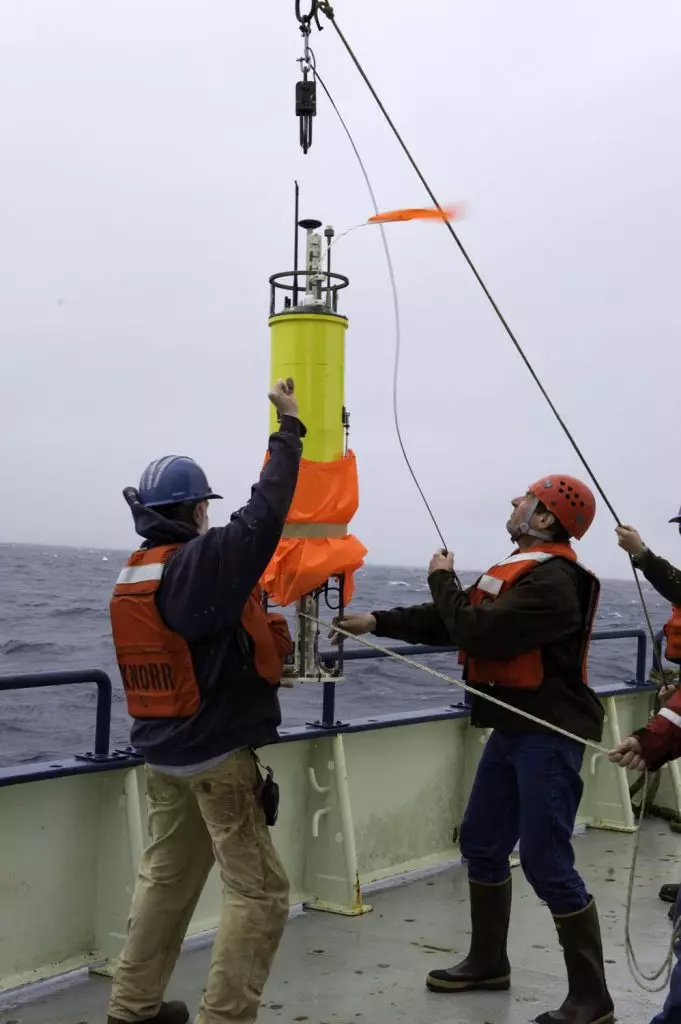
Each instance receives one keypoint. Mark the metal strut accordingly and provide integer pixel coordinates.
(306, 89)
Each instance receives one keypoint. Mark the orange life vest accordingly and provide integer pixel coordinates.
(526, 671)
(155, 663)
(672, 631)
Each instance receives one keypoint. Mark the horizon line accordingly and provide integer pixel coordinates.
(368, 562)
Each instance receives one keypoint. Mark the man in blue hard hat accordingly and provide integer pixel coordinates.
(201, 662)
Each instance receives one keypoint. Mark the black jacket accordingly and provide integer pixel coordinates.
(204, 589)
(545, 609)
(661, 574)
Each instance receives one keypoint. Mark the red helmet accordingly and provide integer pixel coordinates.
(570, 500)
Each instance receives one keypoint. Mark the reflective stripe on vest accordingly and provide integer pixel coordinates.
(141, 573)
(671, 716)
(490, 584)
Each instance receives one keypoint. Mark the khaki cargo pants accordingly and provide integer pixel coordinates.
(193, 822)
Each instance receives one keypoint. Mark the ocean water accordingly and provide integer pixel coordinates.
(54, 617)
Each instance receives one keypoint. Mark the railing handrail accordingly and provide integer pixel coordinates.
(34, 681)
(419, 650)
(416, 649)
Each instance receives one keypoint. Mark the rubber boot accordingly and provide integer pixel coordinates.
(169, 1013)
(668, 893)
(486, 966)
(588, 1000)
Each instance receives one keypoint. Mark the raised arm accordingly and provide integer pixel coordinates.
(660, 573)
(209, 580)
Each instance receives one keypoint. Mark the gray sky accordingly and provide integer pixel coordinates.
(148, 153)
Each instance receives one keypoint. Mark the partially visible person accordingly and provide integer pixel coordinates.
(201, 663)
(666, 579)
(649, 748)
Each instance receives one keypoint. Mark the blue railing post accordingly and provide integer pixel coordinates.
(657, 664)
(329, 704)
(103, 716)
(641, 660)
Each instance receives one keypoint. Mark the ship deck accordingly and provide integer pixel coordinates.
(332, 969)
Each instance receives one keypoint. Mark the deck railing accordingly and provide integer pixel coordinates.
(101, 757)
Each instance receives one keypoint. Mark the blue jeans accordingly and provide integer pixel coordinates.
(671, 1011)
(527, 788)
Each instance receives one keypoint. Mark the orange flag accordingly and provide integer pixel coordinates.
(416, 213)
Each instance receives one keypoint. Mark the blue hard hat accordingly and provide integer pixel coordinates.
(676, 519)
(173, 479)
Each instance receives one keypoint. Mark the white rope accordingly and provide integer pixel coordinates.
(642, 979)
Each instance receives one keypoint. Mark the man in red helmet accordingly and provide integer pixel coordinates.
(523, 632)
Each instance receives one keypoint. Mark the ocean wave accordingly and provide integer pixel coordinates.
(24, 602)
(16, 728)
(74, 610)
(33, 647)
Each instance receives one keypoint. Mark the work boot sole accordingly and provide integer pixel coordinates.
(468, 985)
(169, 1013)
(559, 1018)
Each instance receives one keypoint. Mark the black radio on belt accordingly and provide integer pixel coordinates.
(269, 791)
(269, 795)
